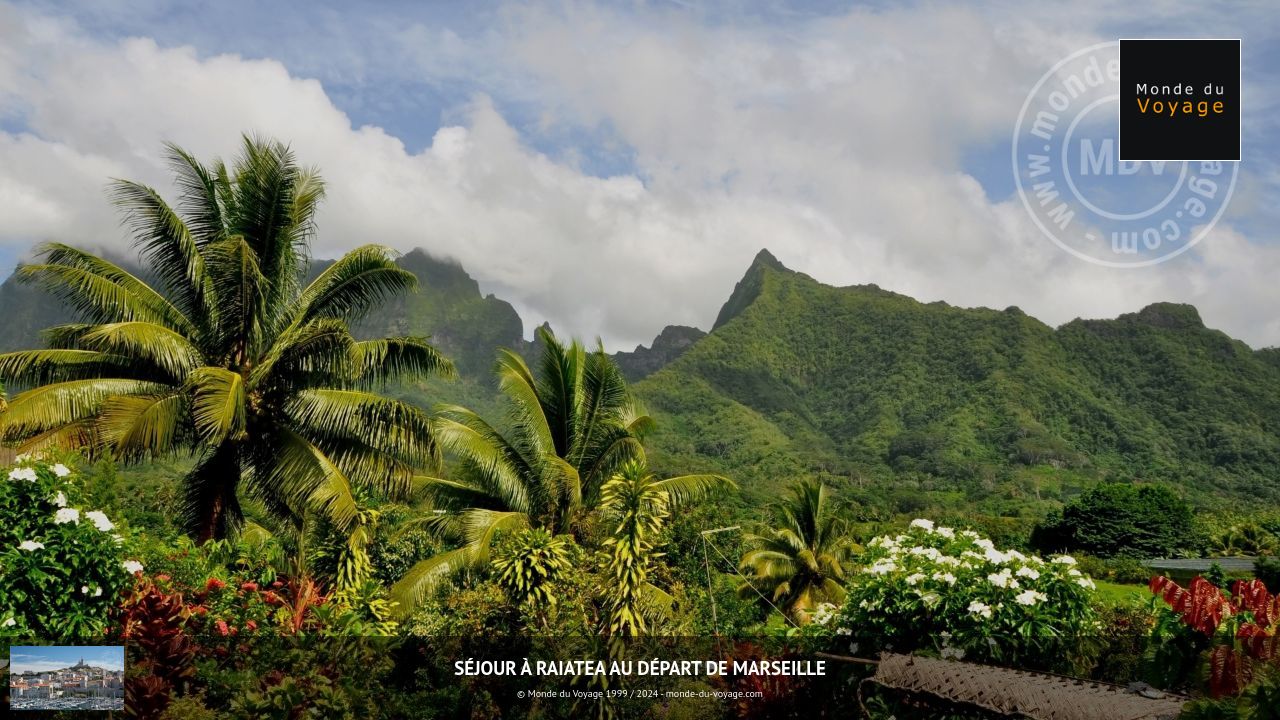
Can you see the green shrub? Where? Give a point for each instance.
(1142, 521)
(1267, 569)
(934, 588)
(62, 568)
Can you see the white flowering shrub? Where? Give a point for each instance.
(62, 568)
(953, 592)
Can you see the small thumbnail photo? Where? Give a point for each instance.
(70, 677)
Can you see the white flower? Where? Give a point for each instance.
(23, 473)
(931, 598)
(1065, 560)
(915, 578)
(844, 631)
(31, 545)
(97, 592)
(61, 470)
(926, 525)
(995, 557)
(100, 520)
(1074, 572)
(67, 515)
(945, 577)
(946, 532)
(60, 500)
(1003, 579)
(22, 458)
(1015, 555)
(84, 589)
(1027, 572)
(969, 534)
(980, 608)
(10, 622)
(1030, 597)
(1086, 583)
(985, 544)
(882, 567)
(132, 567)
(824, 613)
(116, 537)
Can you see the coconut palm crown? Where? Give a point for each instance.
(799, 563)
(224, 352)
(569, 429)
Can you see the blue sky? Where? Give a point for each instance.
(612, 167)
(23, 658)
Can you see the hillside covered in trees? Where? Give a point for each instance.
(933, 404)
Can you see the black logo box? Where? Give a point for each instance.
(1185, 67)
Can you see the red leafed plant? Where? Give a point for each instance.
(152, 621)
(1203, 607)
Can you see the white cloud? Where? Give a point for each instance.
(837, 144)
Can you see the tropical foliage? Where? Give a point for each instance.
(62, 566)
(568, 429)
(953, 592)
(801, 562)
(1235, 634)
(1112, 519)
(226, 353)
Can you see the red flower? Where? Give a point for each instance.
(162, 578)
(251, 625)
(249, 587)
(277, 584)
(214, 584)
(221, 625)
(199, 609)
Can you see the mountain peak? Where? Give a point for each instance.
(764, 258)
(748, 288)
(667, 346)
(1170, 316)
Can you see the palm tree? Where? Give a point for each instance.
(568, 430)
(800, 563)
(229, 356)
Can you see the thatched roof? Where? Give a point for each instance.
(1021, 694)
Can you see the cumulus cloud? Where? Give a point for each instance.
(839, 144)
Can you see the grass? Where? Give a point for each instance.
(1119, 594)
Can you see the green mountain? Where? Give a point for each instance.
(670, 344)
(911, 404)
(905, 405)
(464, 324)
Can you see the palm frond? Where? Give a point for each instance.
(685, 489)
(378, 362)
(145, 343)
(218, 403)
(140, 427)
(167, 248)
(427, 575)
(360, 280)
(210, 504)
(146, 304)
(41, 367)
(393, 427)
(53, 406)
